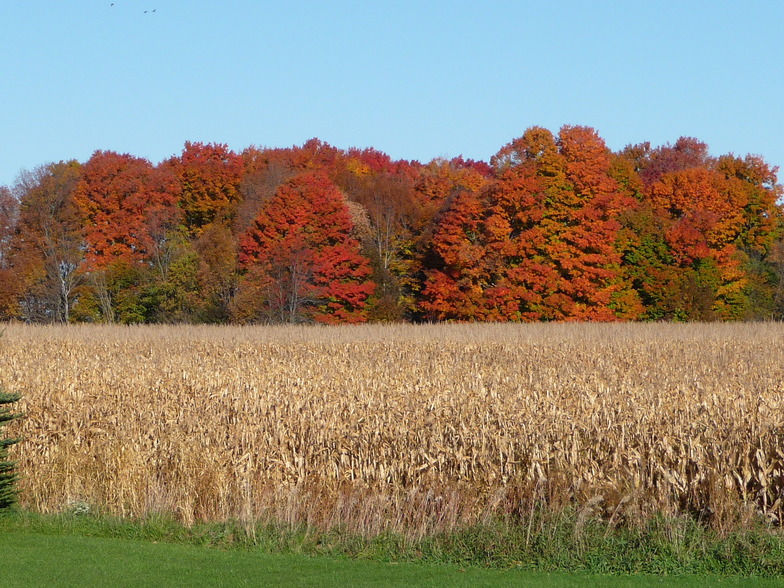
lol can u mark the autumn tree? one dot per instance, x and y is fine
(759, 240)
(262, 176)
(712, 221)
(118, 197)
(545, 246)
(653, 163)
(438, 186)
(266, 169)
(565, 208)
(587, 255)
(49, 241)
(218, 274)
(9, 214)
(386, 209)
(312, 155)
(300, 260)
(761, 194)
(209, 177)
(458, 277)
(129, 208)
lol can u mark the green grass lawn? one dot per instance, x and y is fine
(35, 559)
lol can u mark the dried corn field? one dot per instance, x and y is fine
(409, 428)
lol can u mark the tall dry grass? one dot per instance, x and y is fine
(406, 428)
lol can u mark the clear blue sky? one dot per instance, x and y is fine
(415, 79)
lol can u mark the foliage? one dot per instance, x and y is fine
(119, 196)
(301, 256)
(47, 246)
(209, 176)
(553, 228)
(539, 243)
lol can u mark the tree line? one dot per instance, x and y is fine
(553, 227)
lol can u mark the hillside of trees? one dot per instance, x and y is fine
(552, 228)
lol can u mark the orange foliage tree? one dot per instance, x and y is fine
(540, 242)
(209, 177)
(47, 248)
(706, 210)
(118, 195)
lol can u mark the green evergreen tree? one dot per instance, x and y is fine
(8, 475)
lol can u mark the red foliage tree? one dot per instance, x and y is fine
(455, 288)
(705, 201)
(312, 155)
(652, 164)
(300, 256)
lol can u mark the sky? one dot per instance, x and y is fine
(414, 79)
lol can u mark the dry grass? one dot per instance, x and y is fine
(408, 428)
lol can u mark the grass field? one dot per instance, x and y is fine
(414, 430)
(41, 560)
(36, 559)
